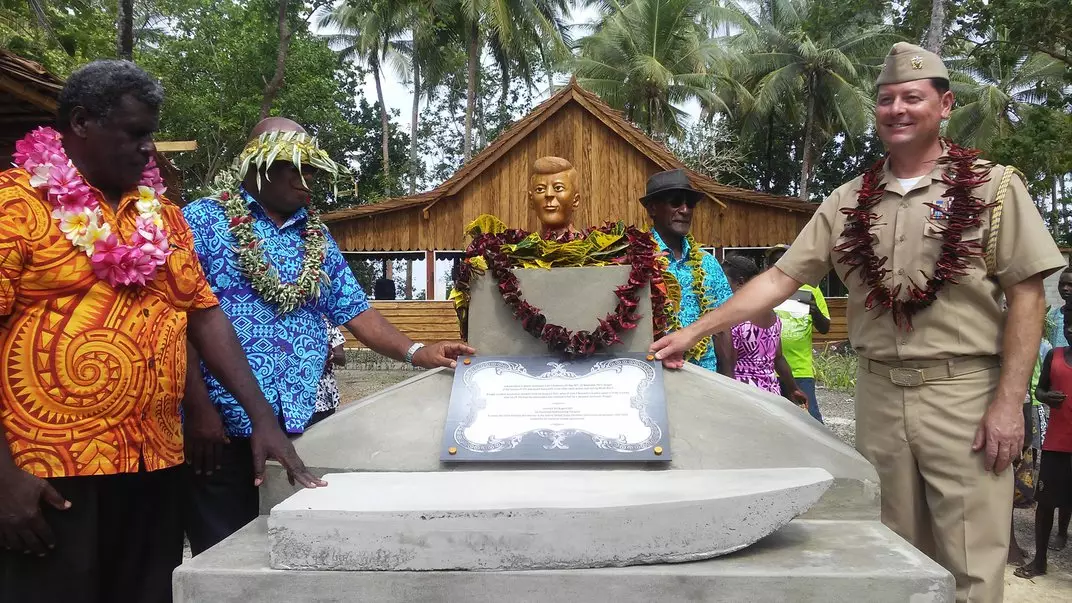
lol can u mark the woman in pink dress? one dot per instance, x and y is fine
(759, 344)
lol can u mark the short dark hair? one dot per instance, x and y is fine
(740, 267)
(940, 84)
(99, 86)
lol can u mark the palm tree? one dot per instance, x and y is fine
(648, 57)
(124, 41)
(513, 27)
(431, 46)
(992, 89)
(828, 75)
(368, 32)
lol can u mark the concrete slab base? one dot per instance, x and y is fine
(534, 519)
(805, 561)
(715, 423)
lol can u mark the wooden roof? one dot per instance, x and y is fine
(29, 97)
(572, 93)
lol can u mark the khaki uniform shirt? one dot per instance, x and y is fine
(967, 319)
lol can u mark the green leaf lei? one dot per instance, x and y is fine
(694, 261)
(296, 148)
(263, 277)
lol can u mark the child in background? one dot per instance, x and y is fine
(758, 344)
(1055, 474)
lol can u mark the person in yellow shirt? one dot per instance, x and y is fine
(797, 330)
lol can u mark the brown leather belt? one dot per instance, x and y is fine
(916, 373)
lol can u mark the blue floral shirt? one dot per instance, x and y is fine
(715, 283)
(287, 353)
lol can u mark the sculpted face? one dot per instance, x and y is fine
(554, 197)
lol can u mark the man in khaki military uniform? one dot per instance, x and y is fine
(940, 386)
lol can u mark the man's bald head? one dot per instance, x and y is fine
(275, 124)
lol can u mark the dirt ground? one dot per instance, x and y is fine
(839, 411)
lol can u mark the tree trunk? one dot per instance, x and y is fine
(770, 152)
(505, 94)
(124, 41)
(385, 126)
(414, 115)
(805, 163)
(1064, 195)
(1056, 212)
(272, 88)
(481, 124)
(935, 30)
(470, 93)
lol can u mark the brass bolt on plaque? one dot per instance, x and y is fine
(658, 450)
(651, 357)
(467, 361)
(452, 450)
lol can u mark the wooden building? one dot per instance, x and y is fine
(29, 96)
(614, 160)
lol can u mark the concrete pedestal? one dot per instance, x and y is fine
(533, 519)
(715, 423)
(806, 561)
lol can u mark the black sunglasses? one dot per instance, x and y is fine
(677, 200)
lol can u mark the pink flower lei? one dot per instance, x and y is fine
(76, 209)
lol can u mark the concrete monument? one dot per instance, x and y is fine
(397, 524)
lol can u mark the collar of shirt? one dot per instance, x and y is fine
(893, 185)
(674, 262)
(258, 212)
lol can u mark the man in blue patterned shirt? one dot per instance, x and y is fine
(258, 244)
(670, 200)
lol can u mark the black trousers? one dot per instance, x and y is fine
(218, 505)
(119, 541)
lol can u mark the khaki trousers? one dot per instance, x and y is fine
(935, 492)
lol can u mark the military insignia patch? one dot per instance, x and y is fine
(917, 62)
(937, 212)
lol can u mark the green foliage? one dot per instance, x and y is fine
(1032, 25)
(819, 78)
(648, 57)
(711, 148)
(836, 370)
(993, 85)
(439, 138)
(784, 86)
(59, 35)
(214, 67)
(373, 184)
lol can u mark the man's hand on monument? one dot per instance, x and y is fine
(22, 526)
(204, 437)
(671, 347)
(441, 353)
(1001, 433)
(269, 442)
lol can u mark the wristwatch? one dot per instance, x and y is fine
(411, 351)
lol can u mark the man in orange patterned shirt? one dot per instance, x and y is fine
(93, 333)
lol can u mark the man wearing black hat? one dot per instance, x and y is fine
(670, 200)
